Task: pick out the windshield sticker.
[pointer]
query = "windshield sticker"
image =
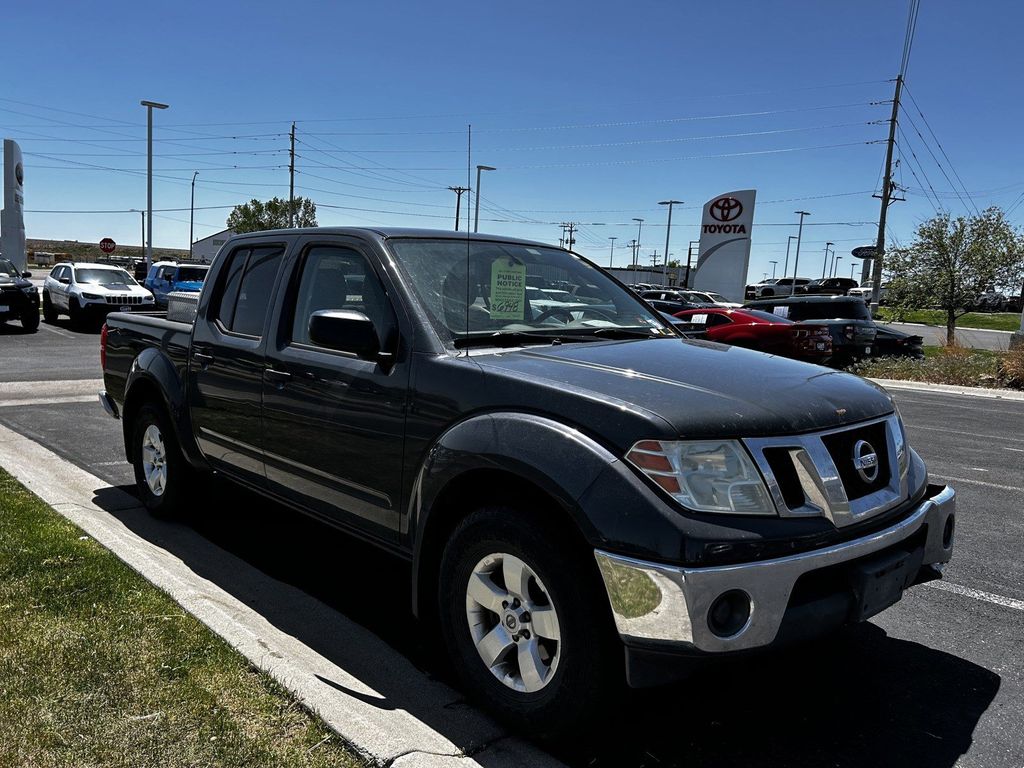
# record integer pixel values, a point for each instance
(781, 311)
(508, 290)
(701, 319)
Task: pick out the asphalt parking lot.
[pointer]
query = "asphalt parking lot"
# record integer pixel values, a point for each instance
(937, 680)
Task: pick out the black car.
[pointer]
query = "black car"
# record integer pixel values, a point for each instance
(848, 319)
(834, 286)
(673, 301)
(19, 299)
(892, 343)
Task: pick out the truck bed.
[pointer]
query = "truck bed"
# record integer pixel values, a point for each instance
(131, 334)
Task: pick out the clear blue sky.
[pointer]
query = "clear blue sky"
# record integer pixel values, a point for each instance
(591, 111)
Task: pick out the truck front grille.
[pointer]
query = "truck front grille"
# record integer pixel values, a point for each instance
(123, 301)
(846, 474)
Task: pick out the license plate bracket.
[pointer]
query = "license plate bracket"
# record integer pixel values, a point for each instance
(879, 581)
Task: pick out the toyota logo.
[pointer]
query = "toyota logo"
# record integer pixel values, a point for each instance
(726, 209)
(865, 461)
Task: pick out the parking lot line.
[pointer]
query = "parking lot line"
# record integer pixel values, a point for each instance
(981, 482)
(977, 594)
(58, 331)
(969, 434)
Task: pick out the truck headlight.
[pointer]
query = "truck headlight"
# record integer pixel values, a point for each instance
(704, 475)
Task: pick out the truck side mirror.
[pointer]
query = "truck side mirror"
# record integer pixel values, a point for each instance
(345, 330)
(26, 275)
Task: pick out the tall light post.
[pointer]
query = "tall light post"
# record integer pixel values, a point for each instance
(835, 264)
(785, 267)
(639, 228)
(143, 240)
(476, 195)
(689, 257)
(773, 263)
(192, 215)
(824, 264)
(852, 266)
(611, 257)
(668, 234)
(796, 263)
(150, 106)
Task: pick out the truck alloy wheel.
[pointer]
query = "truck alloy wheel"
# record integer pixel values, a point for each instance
(513, 622)
(154, 460)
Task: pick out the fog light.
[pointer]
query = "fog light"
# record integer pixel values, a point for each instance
(729, 613)
(947, 532)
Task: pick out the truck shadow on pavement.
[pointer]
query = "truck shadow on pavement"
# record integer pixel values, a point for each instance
(860, 698)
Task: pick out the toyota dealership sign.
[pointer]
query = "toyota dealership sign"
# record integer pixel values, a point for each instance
(725, 244)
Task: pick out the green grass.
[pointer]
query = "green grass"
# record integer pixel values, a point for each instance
(992, 321)
(100, 668)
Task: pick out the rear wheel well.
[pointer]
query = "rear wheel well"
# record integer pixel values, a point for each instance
(461, 496)
(142, 392)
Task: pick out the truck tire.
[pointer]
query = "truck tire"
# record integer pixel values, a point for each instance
(541, 653)
(30, 319)
(163, 477)
(50, 313)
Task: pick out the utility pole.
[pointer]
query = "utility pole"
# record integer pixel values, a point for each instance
(291, 181)
(458, 203)
(796, 263)
(668, 234)
(192, 215)
(636, 253)
(824, 264)
(611, 257)
(887, 185)
(570, 229)
(773, 263)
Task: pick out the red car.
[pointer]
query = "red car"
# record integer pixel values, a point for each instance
(765, 332)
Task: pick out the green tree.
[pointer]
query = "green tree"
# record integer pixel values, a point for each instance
(952, 262)
(256, 215)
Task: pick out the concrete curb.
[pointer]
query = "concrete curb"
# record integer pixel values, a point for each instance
(951, 389)
(942, 327)
(374, 719)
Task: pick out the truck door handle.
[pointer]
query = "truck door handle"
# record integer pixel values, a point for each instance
(202, 359)
(279, 377)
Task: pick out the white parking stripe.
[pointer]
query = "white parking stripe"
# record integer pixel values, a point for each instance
(977, 594)
(981, 482)
(58, 331)
(49, 400)
(912, 427)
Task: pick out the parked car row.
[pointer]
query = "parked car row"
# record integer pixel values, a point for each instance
(88, 292)
(833, 330)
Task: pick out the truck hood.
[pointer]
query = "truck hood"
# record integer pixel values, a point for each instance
(700, 388)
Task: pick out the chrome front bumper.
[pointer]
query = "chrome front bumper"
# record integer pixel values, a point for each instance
(655, 602)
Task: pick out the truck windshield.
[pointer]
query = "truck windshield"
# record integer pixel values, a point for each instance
(103, 277)
(477, 290)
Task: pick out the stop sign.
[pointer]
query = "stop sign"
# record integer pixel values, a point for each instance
(107, 245)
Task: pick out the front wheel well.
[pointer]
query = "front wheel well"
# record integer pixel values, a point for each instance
(463, 495)
(141, 392)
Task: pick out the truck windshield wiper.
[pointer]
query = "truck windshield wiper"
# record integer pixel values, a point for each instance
(506, 339)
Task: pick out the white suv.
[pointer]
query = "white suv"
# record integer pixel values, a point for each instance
(90, 291)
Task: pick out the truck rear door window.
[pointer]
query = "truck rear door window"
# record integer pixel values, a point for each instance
(248, 286)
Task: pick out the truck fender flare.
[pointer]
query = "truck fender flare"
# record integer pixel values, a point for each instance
(153, 369)
(555, 457)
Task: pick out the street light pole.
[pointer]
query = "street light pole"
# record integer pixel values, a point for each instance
(835, 264)
(796, 262)
(636, 254)
(611, 257)
(773, 263)
(192, 215)
(476, 195)
(824, 264)
(668, 234)
(150, 106)
(785, 267)
(689, 257)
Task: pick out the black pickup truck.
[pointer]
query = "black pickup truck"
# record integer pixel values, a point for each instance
(585, 496)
